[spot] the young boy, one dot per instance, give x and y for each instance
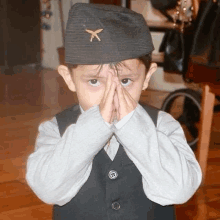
(109, 157)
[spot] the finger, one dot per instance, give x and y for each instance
(115, 115)
(116, 101)
(107, 105)
(121, 98)
(122, 103)
(116, 104)
(110, 96)
(117, 80)
(108, 85)
(114, 112)
(118, 116)
(129, 98)
(112, 117)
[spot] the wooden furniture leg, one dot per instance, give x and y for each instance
(208, 99)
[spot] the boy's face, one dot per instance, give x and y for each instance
(89, 81)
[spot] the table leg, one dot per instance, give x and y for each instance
(208, 100)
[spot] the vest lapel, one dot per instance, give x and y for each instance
(102, 161)
(121, 158)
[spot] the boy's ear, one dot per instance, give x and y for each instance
(152, 69)
(67, 76)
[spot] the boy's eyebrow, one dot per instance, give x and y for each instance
(129, 75)
(92, 75)
(98, 76)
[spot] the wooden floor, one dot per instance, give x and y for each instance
(30, 97)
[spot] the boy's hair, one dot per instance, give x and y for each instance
(146, 60)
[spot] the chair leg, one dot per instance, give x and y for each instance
(208, 100)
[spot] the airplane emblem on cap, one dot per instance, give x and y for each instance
(94, 34)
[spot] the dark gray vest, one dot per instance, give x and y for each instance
(114, 189)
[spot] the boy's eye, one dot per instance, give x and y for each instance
(94, 82)
(126, 82)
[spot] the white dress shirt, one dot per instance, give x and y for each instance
(59, 166)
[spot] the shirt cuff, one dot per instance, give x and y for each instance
(109, 125)
(124, 120)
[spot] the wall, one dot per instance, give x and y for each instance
(52, 39)
(160, 80)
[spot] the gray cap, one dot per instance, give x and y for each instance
(98, 34)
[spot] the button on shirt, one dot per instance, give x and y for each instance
(112, 174)
(116, 206)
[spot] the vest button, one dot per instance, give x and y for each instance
(112, 174)
(115, 206)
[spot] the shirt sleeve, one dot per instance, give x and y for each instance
(59, 166)
(170, 171)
